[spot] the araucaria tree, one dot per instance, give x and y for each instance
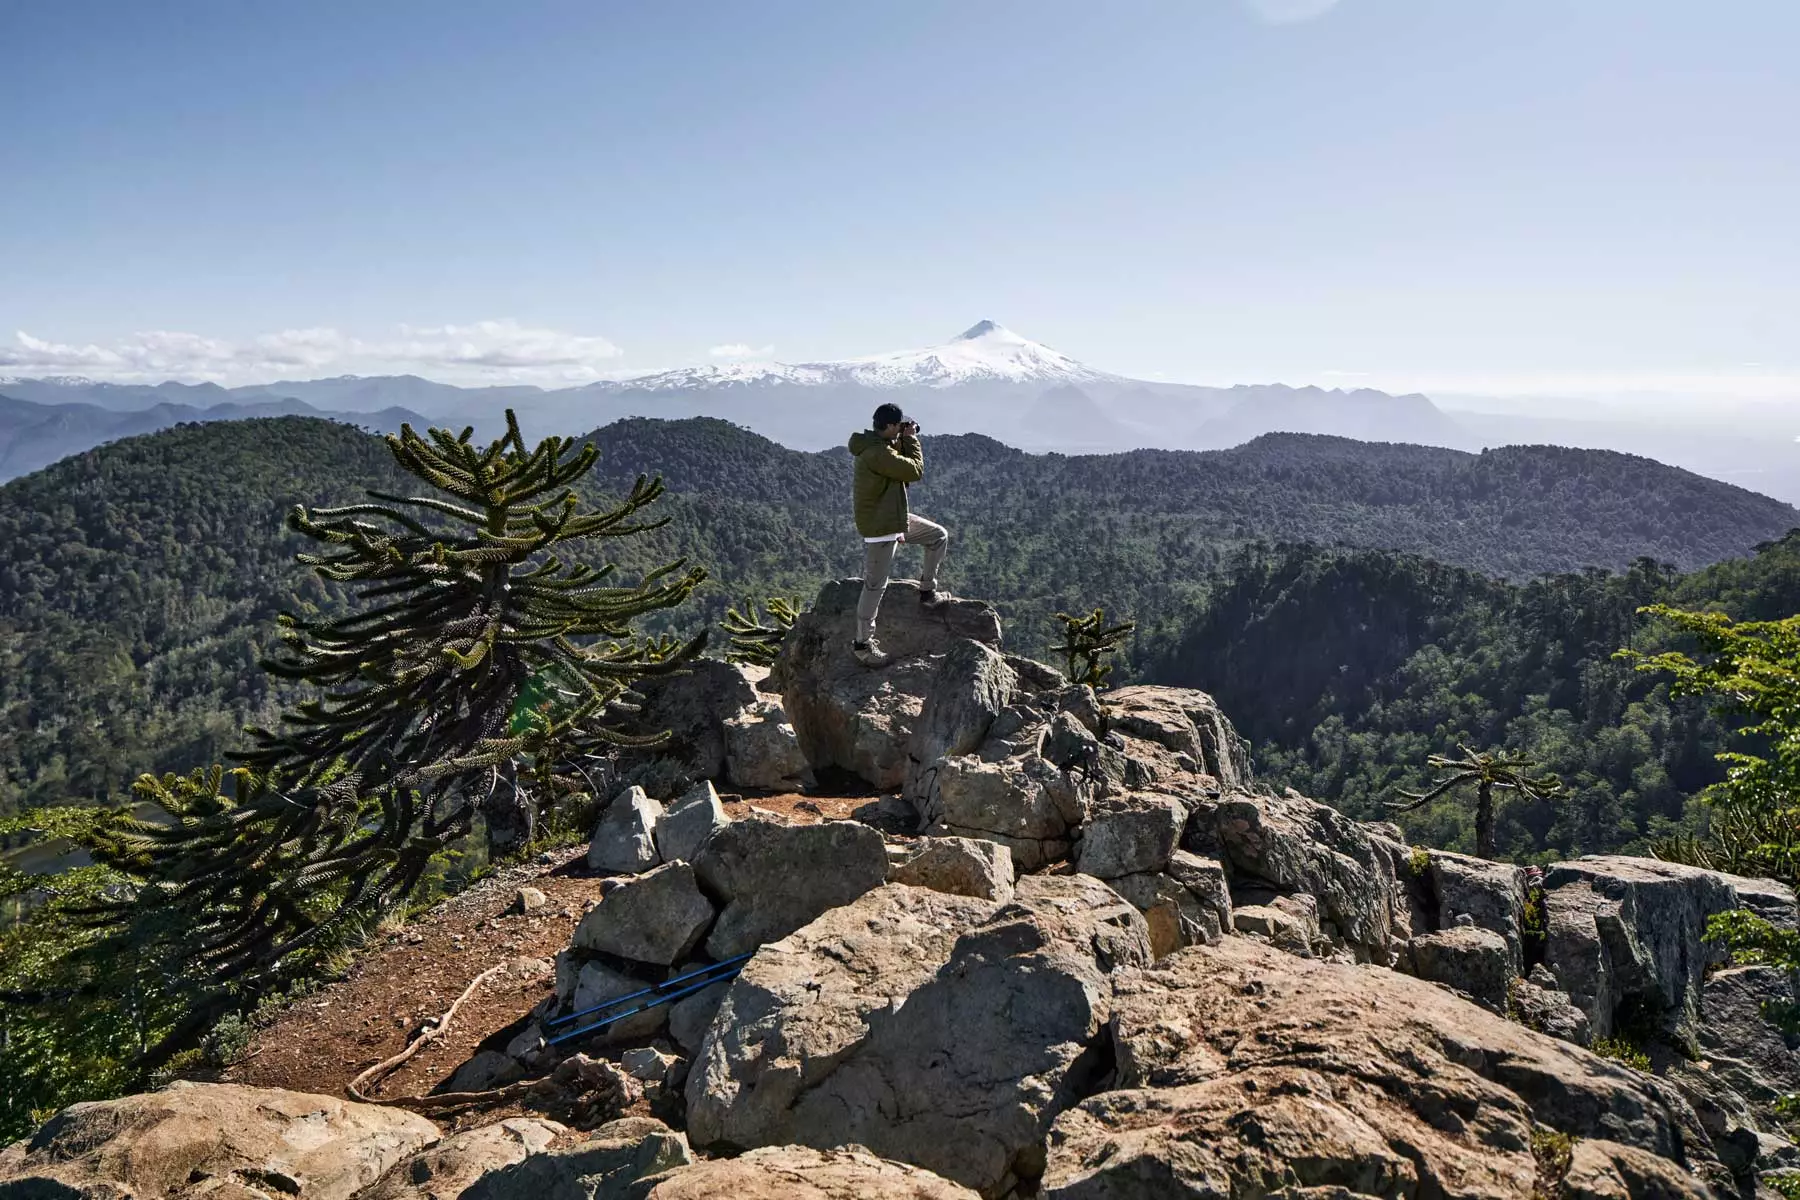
(1487, 774)
(475, 659)
(1087, 643)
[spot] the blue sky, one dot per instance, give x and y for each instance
(1524, 196)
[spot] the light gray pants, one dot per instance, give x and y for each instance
(878, 564)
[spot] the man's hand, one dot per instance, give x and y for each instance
(909, 428)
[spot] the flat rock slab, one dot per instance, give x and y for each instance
(189, 1135)
(802, 1173)
(1238, 1064)
(959, 866)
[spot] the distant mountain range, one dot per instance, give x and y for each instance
(986, 380)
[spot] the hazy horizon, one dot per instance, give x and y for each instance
(1575, 213)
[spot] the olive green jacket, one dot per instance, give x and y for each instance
(883, 469)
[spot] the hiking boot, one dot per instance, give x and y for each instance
(935, 597)
(869, 654)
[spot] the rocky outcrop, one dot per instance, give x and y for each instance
(1469, 959)
(1490, 894)
(447, 1169)
(604, 1165)
(849, 717)
(960, 866)
(1241, 1069)
(1288, 845)
(1603, 1170)
(802, 1173)
(1187, 722)
(1630, 933)
(193, 1139)
(956, 1067)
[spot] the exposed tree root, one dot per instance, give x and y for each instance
(388, 1066)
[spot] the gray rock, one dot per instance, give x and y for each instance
(691, 1016)
(1130, 835)
(1174, 915)
(1238, 1066)
(762, 751)
(604, 1166)
(624, 841)
(1204, 878)
(527, 900)
(1629, 930)
(529, 1041)
(971, 686)
(1491, 894)
(801, 1173)
(1603, 1170)
(848, 716)
(1746, 1052)
(1069, 744)
(1036, 676)
(772, 879)
(1027, 805)
(656, 918)
(694, 708)
(1186, 722)
(1080, 703)
(958, 1068)
(1283, 930)
(1467, 958)
(688, 822)
(445, 1170)
(960, 866)
(1548, 1011)
(597, 982)
(485, 1070)
(1293, 844)
(647, 1063)
(166, 1143)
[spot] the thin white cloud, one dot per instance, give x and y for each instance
(741, 350)
(485, 351)
(1290, 12)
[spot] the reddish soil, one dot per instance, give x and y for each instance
(322, 1041)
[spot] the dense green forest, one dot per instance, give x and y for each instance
(140, 580)
(1348, 669)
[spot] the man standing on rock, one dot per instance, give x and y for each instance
(888, 458)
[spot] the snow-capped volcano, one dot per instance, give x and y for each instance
(985, 353)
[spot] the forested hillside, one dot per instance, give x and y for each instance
(139, 579)
(1348, 669)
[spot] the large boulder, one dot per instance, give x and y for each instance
(1469, 959)
(192, 1138)
(655, 918)
(447, 1169)
(603, 1166)
(1490, 894)
(962, 1071)
(1183, 721)
(1027, 804)
(624, 840)
(802, 1173)
(1628, 934)
(1241, 1070)
(1130, 835)
(688, 822)
(804, 1001)
(693, 706)
(762, 751)
(854, 718)
(960, 866)
(972, 685)
(1291, 844)
(1603, 1170)
(1745, 1052)
(772, 878)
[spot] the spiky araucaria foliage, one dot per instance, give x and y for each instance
(1487, 773)
(476, 664)
(752, 641)
(1087, 642)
